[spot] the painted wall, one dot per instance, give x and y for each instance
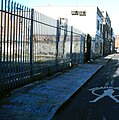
(87, 23)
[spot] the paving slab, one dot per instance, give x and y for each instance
(40, 100)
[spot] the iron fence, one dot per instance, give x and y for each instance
(33, 45)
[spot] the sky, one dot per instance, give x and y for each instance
(111, 6)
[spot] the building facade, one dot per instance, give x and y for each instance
(88, 19)
(117, 42)
(107, 33)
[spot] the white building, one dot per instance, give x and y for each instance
(108, 34)
(88, 19)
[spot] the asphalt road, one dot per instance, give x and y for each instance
(98, 99)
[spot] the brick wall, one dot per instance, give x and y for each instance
(116, 41)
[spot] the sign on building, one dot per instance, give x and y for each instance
(80, 13)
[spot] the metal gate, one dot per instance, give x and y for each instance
(87, 48)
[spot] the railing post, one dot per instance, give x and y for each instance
(31, 44)
(65, 36)
(1, 29)
(57, 40)
(71, 40)
(82, 48)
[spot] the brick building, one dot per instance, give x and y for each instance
(117, 42)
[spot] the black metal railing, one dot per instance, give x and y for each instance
(33, 45)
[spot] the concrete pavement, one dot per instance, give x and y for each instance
(98, 99)
(40, 100)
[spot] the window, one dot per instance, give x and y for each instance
(100, 27)
(97, 24)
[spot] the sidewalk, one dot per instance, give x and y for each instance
(40, 100)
